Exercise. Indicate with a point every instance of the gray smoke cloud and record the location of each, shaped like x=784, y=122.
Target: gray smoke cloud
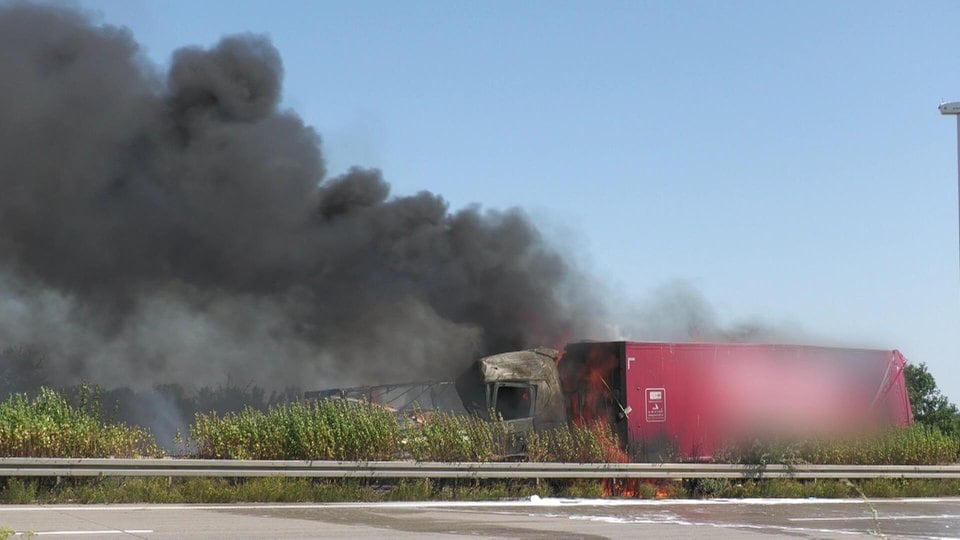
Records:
x=177, y=225
x=678, y=311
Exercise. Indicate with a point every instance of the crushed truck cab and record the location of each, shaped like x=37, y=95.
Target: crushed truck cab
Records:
x=520, y=387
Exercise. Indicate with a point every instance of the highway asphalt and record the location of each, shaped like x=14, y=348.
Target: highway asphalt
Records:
x=533, y=518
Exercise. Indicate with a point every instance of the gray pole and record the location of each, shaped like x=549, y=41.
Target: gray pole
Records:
x=953, y=108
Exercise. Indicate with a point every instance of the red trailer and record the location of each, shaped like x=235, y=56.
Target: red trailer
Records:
x=685, y=400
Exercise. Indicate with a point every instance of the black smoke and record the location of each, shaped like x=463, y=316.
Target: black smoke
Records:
x=176, y=225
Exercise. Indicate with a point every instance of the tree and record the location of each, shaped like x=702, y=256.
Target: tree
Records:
x=930, y=407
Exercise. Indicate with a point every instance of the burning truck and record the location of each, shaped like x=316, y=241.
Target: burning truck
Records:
x=669, y=400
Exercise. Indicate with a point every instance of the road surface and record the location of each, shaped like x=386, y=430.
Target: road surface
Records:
x=535, y=518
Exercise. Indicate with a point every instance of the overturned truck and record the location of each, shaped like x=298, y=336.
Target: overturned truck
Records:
x=669, y=400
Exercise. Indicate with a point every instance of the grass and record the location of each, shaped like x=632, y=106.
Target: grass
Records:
x=49, y=426
x=346, y=430
x=915, y=445
x=591, y=443
x=328, y=430
x=449, y=437
x=823, y=489
x=290, y=490
x=276, y=489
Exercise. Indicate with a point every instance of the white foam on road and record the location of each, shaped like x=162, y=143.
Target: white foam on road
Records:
x=673, y=520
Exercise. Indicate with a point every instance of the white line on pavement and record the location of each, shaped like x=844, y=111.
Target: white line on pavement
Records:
x=73, y=533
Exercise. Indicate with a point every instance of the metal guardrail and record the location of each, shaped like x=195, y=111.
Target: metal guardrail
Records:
x=172, y=467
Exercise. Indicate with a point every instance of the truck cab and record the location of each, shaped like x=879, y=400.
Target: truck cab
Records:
x=521, y=387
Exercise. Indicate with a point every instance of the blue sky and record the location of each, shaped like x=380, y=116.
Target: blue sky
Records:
x=785, y=158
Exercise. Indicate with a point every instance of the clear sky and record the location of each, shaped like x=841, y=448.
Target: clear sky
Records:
x=785, y=158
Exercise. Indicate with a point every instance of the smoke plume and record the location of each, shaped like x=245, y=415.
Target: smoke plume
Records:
x=178, y=226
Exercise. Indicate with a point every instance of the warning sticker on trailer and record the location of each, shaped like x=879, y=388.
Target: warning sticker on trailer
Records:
x=656, y=404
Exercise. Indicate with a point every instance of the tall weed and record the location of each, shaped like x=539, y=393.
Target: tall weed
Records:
x=329, y=430
x=577, y=444
x=49, y=426
x=450, y=437
x=915, y=445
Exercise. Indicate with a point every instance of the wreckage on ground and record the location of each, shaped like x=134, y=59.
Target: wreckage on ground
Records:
x=668, y=400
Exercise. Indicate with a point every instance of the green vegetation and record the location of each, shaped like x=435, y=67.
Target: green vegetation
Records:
x=448, y=437
x=930, y=407
x=346, y=430
x=916, y=445
x=49, y=426
x=220, y=490
x=331, y=429
x=825, y=489
x=277, y=489
x=577, y=444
